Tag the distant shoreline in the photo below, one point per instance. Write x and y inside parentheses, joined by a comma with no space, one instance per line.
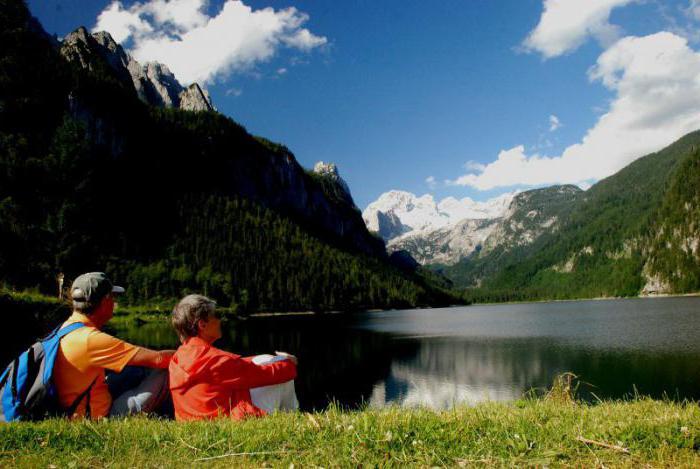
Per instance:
(599,298)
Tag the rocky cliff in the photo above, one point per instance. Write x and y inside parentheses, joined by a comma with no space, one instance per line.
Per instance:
(153,82)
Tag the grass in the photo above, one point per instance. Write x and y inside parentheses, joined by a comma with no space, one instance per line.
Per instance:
(536,432)
(144,313)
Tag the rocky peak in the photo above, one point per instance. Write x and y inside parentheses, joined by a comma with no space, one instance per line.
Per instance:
(153,82)
(195,98)
(330,170)
(387,225)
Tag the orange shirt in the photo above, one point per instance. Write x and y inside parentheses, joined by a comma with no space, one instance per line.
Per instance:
(83,356)
(207,382)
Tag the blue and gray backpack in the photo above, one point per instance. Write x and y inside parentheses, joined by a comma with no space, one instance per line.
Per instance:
(27,390)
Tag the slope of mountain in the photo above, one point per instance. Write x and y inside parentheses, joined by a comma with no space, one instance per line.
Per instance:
(506,221)
(632,232)
(168,200)
(672,245)
(446,245)
(529,215)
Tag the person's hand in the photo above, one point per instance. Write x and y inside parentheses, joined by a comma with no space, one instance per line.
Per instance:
(288,356)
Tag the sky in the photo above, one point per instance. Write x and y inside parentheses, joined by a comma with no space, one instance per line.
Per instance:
(461,98)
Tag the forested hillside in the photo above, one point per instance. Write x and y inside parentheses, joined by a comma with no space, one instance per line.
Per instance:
(673,242)
(644,214)
(167,201)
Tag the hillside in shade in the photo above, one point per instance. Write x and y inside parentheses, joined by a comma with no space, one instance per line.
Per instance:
(99,171)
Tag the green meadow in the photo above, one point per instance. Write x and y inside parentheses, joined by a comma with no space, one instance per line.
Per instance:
(532,432)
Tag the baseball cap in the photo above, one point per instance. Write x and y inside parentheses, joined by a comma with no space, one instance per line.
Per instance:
(88,289)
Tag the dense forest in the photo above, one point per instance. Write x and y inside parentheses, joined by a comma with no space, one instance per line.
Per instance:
(169,201)
(639,223)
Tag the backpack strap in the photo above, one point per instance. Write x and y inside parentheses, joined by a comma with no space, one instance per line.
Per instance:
(51,344)
(60,333)
(74,406)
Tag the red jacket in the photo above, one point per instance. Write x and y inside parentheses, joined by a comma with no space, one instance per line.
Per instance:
(207,382)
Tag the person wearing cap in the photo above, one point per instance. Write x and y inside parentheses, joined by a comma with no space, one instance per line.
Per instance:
(86,353)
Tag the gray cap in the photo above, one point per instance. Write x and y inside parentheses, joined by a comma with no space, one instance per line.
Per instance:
(88,289)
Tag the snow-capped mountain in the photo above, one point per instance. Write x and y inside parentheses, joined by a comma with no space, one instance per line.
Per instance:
(445,232)
(400,213)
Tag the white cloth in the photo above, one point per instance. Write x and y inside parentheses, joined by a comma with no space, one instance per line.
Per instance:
(278,397)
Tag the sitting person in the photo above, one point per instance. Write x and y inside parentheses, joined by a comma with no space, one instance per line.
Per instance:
(207,382)
(85,353)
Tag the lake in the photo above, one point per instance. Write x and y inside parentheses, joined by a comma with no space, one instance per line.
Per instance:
(439,357)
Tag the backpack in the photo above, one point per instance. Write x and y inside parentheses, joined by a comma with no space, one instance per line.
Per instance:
(27,390)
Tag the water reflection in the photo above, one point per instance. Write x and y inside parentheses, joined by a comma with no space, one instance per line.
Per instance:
(437,358)
(445,371)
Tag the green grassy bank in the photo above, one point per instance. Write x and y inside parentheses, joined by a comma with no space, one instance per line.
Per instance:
(525,433)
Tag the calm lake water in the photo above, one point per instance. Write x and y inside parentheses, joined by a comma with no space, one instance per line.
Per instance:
(439,357)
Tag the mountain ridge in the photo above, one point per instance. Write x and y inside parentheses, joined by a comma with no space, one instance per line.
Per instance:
(168,200)
(604,244)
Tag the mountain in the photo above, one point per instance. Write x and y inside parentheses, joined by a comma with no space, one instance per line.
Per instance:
(104,166)
(433,232)
(445,245)
(453,230)
(529,215)
(396,213)
(153,82)
(635,232)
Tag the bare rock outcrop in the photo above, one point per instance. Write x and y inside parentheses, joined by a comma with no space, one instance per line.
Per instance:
(152,82)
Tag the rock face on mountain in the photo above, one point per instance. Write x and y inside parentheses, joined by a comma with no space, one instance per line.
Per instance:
(529,215)
(446,245)
(524,219)
(387,225)
(153,82)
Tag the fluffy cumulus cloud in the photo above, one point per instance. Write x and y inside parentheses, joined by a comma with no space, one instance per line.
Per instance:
(198,47)
(566,24)
(431,182)
(655,81)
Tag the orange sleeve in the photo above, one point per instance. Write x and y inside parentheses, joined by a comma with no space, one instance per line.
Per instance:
(106,351)
(242,374)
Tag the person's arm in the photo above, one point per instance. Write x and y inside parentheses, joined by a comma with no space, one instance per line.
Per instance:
(240,374)
(151,358)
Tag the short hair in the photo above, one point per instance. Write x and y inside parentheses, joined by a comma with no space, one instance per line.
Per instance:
(188,312)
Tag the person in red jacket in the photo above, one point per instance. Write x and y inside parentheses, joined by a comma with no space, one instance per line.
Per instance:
(207,382)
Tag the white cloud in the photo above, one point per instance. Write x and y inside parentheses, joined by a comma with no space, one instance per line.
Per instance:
(656,82)
(694,9)
(431,182)
(554,123)
(200,48)
(474,166)
(566,24)
(281,71)
(234,92)
(122,23)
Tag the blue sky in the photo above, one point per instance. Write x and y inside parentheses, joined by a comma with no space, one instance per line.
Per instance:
(396,92)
